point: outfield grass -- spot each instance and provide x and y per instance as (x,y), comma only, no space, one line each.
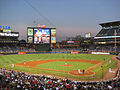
(7,61)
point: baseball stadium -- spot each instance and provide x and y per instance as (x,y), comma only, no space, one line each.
(42,63)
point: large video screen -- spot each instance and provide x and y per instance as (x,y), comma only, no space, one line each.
(41,36)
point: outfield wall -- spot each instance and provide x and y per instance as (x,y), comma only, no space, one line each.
(50,52)
(42,52)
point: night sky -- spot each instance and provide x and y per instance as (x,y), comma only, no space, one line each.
(70,17)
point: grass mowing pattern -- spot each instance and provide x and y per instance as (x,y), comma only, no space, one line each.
(7,60)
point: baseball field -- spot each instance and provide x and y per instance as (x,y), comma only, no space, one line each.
(61,65)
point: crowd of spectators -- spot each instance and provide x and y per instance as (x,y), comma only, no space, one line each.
(108,48)
(65,49)
(14,48)
(12,80)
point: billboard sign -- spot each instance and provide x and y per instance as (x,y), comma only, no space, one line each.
(19,53)
(7,30)
(4,27)
(75,52)
(104,53)
(53,35)
(88,35)
(30,32)
(30,39)
(70,41)
(9,34)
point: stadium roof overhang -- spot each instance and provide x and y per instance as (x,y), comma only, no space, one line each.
(108,24)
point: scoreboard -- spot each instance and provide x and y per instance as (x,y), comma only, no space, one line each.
(38,35)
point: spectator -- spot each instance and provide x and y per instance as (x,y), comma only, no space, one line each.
(12,80)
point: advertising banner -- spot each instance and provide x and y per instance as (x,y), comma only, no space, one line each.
(100,53)
(76,52)
(88,35)
(19,53)
(9,34)
(30,32)
(6,30)
(70,41)
(30,39)
(53,35)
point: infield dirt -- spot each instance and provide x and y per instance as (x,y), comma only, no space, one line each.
(106,76)
(88,72)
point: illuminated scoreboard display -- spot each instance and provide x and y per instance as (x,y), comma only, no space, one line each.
(38,35)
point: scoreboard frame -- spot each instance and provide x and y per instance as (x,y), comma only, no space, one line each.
(31,35)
